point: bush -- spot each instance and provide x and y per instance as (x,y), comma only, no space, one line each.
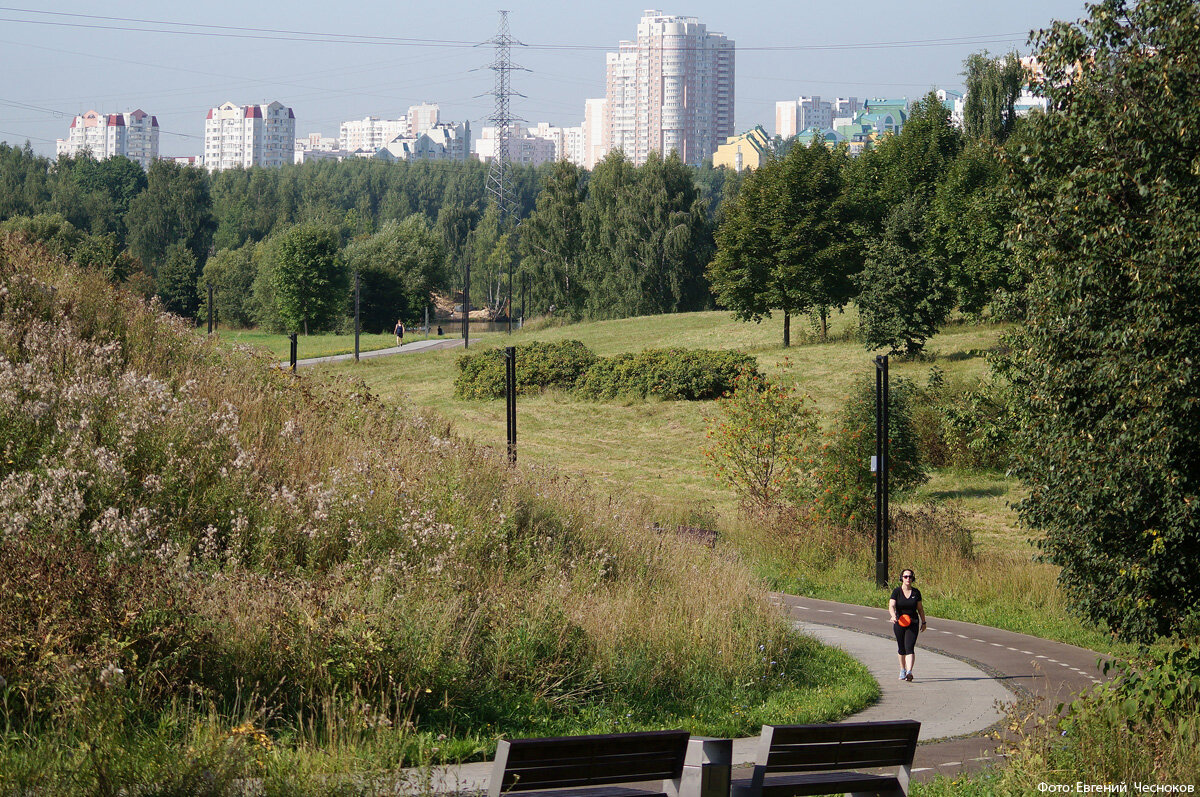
(670,374)
(964,425)
(540,366)
(846,484)
(762,445)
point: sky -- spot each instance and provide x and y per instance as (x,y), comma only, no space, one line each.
(331,62)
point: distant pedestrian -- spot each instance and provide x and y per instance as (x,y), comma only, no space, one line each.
(905,608)
(399,330)
(439,330)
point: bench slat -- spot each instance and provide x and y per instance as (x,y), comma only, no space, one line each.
(581,761)
(838,754)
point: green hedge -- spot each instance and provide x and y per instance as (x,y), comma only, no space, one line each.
(671,374)
(539,366)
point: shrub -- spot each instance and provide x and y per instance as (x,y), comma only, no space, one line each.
(670,374)
(846,484)
(540,366)
(762,445)
(965,425)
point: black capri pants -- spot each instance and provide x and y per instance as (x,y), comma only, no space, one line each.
(906,638)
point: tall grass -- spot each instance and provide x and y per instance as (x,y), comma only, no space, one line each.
(204,557)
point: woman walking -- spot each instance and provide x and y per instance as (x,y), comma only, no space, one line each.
(905,607)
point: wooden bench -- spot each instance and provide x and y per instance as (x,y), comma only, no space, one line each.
(826,759)
(591,766)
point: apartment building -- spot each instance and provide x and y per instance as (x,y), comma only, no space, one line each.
(794,116)
(672,89)
(133,135)
(370,133)
(523,146)
(592,134)
(249,135)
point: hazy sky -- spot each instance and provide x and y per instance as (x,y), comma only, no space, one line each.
(331,61)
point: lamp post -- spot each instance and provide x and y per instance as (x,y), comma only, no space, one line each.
(881,470)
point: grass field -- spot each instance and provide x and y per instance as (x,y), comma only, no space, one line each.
(652,451)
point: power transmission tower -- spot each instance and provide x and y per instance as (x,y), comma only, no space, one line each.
(499,182)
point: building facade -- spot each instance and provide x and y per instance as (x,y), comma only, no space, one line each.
(371,133)
(133,135)
(747,151)
(672,89)
(251,135)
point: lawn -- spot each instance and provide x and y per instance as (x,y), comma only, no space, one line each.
(654,449)
(326,345)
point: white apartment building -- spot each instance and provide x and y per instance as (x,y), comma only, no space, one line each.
(670,90)
(795,116)
(593,134)
(422,118)
(523,147)
(442,141)
(371,133)
(315,146)
(133,135)
(250,135)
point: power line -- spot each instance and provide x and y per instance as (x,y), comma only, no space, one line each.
(286,34)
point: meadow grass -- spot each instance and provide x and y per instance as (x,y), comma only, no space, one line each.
(652,450)
(210,566)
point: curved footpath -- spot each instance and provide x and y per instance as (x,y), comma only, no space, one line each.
(964,675)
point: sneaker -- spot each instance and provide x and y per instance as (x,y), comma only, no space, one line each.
(908,675)
(905,675)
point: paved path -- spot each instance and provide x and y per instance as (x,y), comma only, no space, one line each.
(407,348)
(965,674)
(956,703)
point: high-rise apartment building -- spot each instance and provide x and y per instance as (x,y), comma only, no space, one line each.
(670,90)
(133,135)
(593,133)
(250,135)
(371,133)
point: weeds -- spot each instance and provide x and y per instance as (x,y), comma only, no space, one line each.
(205,560)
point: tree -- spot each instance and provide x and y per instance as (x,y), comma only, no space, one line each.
(1104,373)
(846,486)
(904,296)
(175,284)
(993,85)
(309,278)
(969,221)
(784,243)
(763,442)
(231,273)
(398,268)
(174,209)
(551,241)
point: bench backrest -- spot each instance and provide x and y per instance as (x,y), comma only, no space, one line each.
(850,745)
(575,761)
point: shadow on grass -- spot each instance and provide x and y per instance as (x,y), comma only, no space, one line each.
(967,492)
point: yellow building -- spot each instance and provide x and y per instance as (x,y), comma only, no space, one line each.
(746,151)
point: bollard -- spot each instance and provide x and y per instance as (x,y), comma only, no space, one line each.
(707,769)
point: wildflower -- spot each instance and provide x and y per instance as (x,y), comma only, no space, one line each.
(112,676)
